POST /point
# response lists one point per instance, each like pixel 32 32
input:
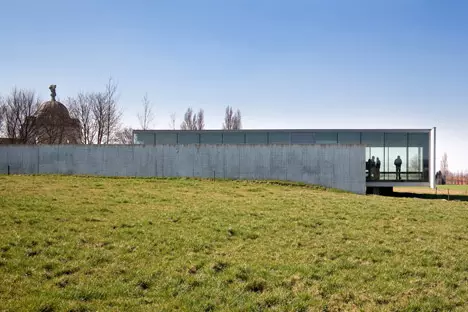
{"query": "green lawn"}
pixel 97 244
pixel 454 187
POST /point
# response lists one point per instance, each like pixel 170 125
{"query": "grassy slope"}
pixel 75 243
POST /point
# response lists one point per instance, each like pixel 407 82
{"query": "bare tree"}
pixel 189 120
pixel 124 136
pixel 147 117
pixel 172 123
pixel 111 111
pixel 81 108
pixel 98 107
pixel 106 113
pixel 2 114
pixel 444 169
pixel 232 121
pixel 200 118
pixel 18 106
pixel 193 121
pixel 237 124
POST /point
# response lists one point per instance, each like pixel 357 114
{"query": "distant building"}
pixel 52 124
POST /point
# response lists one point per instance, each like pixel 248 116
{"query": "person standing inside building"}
pixel 377 169
pixel 398 163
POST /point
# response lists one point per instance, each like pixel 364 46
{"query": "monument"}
pixel 52 123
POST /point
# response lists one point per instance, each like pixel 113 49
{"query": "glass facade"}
pixel 398 156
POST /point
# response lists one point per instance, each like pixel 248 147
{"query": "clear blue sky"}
pixel 284 64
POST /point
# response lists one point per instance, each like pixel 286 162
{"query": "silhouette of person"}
pixel 373 174
pixel 377 169
pixel 398 163
pixel 368 167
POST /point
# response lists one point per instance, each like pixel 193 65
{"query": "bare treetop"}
pixel 52 90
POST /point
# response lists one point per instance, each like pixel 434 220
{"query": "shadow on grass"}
pixel 429 196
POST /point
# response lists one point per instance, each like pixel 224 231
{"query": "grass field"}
pixel 97 244
pixel 441 190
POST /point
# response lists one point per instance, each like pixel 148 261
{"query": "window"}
pixel 256 138
pixel 302 138
pixel 349 137
pixel 396 151
pixel 233 138
pixel 211 138
pixel 279 138
pixel 188 138
pixel 418 156
pixel 374 153
pixel 166 138
pixel 146 138
pixel 373 139
pixel 326 137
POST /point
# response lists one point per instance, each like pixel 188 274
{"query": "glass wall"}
pixel 146 138
pixel 211 138
pixel 326 137
pixel 233 138
pixel 349 137
pixel 188 138
pixel 279 138
pixel 390 156
pixel 166 138
pixel 375 156
pixel 257 138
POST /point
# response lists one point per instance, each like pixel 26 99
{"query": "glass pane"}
pixel 349 137
pixel 188 138
pixel 279 137
pixel 146 138
pixel 211 138
pixel 302 138
pixel 373 139
pixel 415 164
pixel 375 155
pixel 326 137
pixel 233 138
pixel 397 158
pixel 166 138
pixel 421 142
pixel 375 159
pixel 256 138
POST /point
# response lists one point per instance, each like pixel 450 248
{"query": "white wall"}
pixel 337 166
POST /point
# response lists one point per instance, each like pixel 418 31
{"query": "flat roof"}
pixel 290 130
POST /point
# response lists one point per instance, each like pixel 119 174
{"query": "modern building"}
pixel 414 148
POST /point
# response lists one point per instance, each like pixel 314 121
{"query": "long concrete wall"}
pixel 336 166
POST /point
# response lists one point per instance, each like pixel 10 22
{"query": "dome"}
pixel 54 108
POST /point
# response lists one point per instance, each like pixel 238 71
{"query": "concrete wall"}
pixel 337 166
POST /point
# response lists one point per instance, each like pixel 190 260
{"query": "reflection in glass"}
pixel 233 138
pixel 211 138
pixel 349 137
pixel 373 139
pixel 256 138
pixel 302 138
pixel 143 138
pixel 166 138
pixel 188 138
pixel 326 138
pixel 279 137
pixel 420 141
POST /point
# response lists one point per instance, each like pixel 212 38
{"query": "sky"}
pixel 283 64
